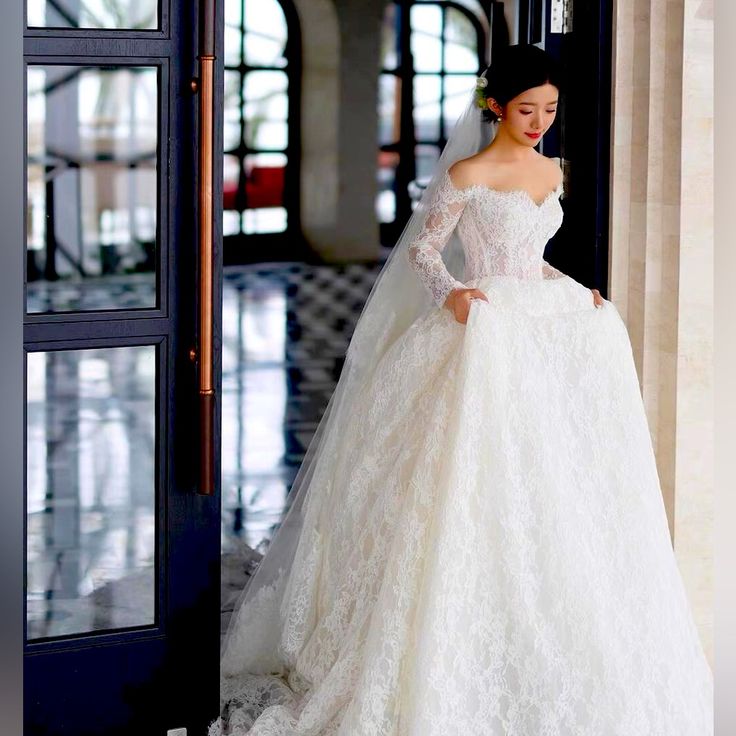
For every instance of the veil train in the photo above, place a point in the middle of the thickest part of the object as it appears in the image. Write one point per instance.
(395, 301)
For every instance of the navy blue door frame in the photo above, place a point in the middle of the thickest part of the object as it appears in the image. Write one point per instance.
(147, 679)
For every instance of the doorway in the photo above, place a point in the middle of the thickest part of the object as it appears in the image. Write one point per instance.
(122, 565)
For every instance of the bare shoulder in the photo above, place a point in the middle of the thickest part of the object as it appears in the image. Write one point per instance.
(555, 165)
(486, 169)
(550, 169)
(463, 172)
(474, 170)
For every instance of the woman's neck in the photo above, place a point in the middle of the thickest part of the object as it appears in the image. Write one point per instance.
(506, 148)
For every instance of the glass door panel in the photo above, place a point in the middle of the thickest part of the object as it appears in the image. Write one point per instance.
(119, 14)
(93, 194)
(91, 490)
(121, 554)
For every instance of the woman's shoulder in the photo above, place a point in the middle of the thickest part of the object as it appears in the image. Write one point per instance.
(477, 169)
(552, 162)
(461, 174)
(556, 161)
(472, 170)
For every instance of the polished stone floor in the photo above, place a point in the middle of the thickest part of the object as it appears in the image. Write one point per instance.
(91, 471)
(285, 332)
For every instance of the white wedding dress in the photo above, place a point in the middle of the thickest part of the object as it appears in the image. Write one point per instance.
(500, 562)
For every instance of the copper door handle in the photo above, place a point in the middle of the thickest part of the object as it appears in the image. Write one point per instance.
(205, 89)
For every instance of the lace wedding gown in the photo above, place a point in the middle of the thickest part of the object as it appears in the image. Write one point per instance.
(500, 564)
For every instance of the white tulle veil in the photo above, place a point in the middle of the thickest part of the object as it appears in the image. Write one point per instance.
(398, 297)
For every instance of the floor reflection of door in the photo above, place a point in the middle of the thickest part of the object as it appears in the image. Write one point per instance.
(122, 552)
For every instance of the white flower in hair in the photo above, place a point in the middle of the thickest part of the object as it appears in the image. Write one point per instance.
(481, 82)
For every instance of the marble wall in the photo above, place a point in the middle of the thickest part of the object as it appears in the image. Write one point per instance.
(661, 256)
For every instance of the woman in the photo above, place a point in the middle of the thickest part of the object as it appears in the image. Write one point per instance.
(476, 542)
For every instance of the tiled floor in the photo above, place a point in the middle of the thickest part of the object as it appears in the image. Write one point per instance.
(285, 331)
(91, 487)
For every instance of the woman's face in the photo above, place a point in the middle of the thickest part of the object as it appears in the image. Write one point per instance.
(532, 112)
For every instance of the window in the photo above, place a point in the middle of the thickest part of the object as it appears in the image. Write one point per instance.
(431, 54)
(260, 97)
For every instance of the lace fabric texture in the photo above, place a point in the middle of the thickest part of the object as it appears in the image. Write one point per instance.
(488, 551)
(496, 239)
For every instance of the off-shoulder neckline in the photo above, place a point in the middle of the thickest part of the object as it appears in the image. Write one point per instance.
(523, 192)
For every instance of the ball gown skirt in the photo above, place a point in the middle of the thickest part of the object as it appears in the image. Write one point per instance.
(500, 563)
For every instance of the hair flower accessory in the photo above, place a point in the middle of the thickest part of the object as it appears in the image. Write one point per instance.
(480, 99)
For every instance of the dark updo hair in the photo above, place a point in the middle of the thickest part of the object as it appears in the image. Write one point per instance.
(516, 69)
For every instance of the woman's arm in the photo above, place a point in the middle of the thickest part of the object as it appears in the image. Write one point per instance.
(424, 253)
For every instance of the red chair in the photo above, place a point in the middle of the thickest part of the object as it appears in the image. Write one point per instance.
(264, 187)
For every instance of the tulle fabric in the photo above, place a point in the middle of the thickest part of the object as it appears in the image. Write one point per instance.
(396, 300)
(500, 564)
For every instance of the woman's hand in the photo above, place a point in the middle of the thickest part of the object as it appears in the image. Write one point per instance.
(597, 298)
(458, 302)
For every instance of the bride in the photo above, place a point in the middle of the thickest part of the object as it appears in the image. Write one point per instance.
(476, 542)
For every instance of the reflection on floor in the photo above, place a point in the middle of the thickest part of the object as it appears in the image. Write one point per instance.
(91, 484)
(90, 490)
(92, 292)
(285, 331)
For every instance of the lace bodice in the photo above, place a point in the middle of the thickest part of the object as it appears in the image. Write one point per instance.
(502, 232)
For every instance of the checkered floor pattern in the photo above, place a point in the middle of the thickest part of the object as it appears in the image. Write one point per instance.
(286, 327)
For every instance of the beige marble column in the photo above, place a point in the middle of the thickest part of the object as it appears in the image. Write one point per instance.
(319, 186)
(694, 441)
(660, 259)
(339, 119)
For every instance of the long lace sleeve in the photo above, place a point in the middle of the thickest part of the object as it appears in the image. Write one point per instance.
(424, 253)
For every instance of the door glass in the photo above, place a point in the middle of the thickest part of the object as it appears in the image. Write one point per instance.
(91, 499)
(92, 196)
(127, 14)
